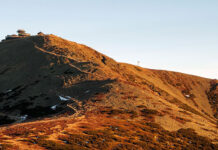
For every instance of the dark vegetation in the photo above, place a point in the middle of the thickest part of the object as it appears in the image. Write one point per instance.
(112, 134)
(212, 95)
(113, 112)
(7, 147)
(5, 120)
(129, 136)
(179, 119)
(96, 90)
(85, 90)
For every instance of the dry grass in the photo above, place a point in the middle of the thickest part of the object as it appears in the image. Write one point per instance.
(101, 132)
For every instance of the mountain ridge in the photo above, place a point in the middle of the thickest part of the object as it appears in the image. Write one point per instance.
(47, 76)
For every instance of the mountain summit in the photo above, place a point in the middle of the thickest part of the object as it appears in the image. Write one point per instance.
(86, 100)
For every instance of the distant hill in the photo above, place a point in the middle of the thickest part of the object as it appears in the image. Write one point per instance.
(56, 93)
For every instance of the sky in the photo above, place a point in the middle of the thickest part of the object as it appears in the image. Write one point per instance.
(175, 35)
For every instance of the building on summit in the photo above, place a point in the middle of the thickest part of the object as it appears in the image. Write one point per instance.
(21, 34)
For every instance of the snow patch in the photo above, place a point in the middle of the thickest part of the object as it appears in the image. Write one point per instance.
(23, 118)
(187, 96)
(8, 91)
(54, 107)
(87, 91)
(66, 98)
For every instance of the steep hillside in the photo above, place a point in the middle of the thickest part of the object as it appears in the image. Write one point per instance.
(68, 93)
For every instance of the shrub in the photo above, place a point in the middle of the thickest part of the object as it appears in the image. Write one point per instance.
(146, 112)
(110, 111)
(17, 131)
(179, 119)
(195, 141)
(6, 146)
(125, 146)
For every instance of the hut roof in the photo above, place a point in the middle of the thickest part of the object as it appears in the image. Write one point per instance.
(21, 31)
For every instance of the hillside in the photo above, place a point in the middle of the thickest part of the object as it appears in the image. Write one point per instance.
(58, 94)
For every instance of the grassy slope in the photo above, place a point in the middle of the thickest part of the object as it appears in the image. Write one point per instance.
(126, 94)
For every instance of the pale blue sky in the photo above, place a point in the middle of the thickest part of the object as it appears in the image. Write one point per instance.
(178, 35)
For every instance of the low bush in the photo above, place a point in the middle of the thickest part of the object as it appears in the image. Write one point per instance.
(146, 112)
(6, 147)
(195, 141)
(125, 146)
(180, 120)
(112, 112)
(17, 131)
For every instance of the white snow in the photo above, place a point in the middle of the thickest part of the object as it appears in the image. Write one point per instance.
(87, 91)
(22, 118)
(8, 91)
(54, 107)
(64, 98)
(187, 96)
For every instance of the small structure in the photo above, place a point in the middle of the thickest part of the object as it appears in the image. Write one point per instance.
(21, 34)
(40, 34)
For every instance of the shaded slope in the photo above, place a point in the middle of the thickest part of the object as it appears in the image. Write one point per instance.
(34, 74)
